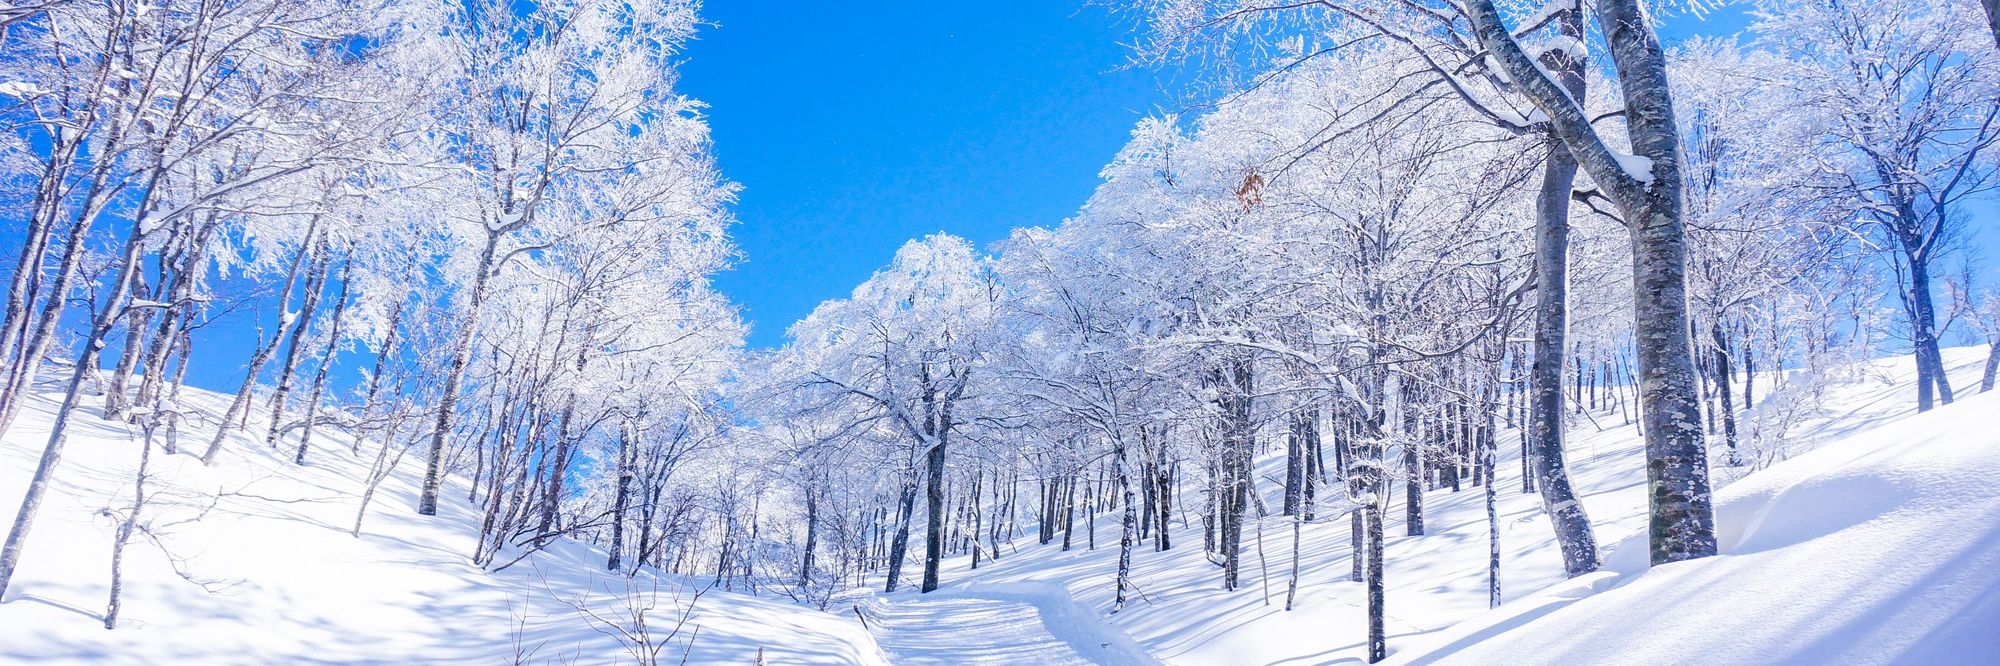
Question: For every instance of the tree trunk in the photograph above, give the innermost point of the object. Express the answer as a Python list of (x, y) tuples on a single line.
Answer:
[(1128, 522), (552, 495), (240, 406), (461, 354), (1682, 522), (1295, 465), (1545, 418), (1378, 646), (36, 339), (326, 358), (1161, 540), (1923, 327), (623, 495), (315, 287), (934, 494), (131, 521), (22, 291), (116, 398), (86, 364), (812, 538), (900, 544), (1993, 19), (1722, 390)]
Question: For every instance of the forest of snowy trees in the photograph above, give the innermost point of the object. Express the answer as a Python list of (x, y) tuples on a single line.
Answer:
[(1400, 237)]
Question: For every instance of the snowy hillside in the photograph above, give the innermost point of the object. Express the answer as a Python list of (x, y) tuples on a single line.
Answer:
[(1879, 544), (1883, 547), (251, 561)]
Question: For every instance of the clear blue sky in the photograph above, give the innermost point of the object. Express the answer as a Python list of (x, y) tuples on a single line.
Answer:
[(854, 127)]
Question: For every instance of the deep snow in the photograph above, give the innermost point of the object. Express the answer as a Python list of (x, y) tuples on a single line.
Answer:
[(1873, 527), (1877, 541), (270, 575)]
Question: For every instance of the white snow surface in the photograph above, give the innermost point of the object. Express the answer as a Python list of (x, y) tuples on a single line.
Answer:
[(1877, 541), (272, 575), (1883, 547)]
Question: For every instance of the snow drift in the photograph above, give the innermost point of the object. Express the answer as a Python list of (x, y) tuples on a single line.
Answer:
[(1883, 547)]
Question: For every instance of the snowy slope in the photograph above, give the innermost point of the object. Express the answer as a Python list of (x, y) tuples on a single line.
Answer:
[(254, 565), (1878, 542), (1438, 580), (1882, 547)]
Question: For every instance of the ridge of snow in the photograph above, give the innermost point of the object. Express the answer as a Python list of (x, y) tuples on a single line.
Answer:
[(1638, 167)]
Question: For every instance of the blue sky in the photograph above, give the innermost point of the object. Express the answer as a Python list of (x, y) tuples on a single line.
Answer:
[(854, 127)]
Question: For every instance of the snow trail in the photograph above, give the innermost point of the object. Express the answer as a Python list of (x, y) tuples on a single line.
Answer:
[(1022, 625)]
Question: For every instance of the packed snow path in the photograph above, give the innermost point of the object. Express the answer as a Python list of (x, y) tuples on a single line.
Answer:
[(994, 627)]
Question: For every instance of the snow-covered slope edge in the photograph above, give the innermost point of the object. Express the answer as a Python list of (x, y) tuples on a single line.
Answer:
[(251, 562), (1882, 547)]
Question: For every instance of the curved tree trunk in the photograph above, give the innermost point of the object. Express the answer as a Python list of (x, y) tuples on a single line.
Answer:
[(1545, 400)]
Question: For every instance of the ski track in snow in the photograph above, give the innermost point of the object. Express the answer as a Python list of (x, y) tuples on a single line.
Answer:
[(1017, 624), (967, 631)]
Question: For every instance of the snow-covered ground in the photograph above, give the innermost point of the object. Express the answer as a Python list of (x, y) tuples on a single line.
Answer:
[(1889, 524), (269, 574), (1877, 541)]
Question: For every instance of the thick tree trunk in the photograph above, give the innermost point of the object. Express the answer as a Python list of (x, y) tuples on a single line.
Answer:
[(1378, 645), (1128, 522), (1236, 380), (934, 507), (1932, 384)]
